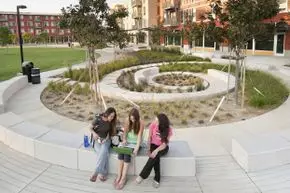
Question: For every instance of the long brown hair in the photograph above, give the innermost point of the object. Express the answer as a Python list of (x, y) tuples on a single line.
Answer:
[(135, 126), (163, 127), (113, 122)]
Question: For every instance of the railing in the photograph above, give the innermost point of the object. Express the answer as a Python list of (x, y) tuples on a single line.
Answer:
[(136, 3), (169, 4), (137, 14), (170, 22)]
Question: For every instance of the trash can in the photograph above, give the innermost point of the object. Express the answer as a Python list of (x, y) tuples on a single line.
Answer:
[(35, 75), (26, 69)]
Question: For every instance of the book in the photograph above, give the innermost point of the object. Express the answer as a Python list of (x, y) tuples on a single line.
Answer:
[(125, 149)]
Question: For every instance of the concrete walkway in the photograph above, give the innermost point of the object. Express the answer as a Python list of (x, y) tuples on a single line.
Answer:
[(217, 172)]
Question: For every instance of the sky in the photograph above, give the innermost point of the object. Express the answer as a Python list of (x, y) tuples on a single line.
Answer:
[(46, 6)]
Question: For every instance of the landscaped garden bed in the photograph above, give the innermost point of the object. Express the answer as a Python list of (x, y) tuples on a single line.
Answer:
[(263, 92)]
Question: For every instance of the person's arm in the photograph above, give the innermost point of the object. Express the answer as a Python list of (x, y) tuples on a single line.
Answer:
[(149, 138), (162, 146), (139, 138), (95, 135), (126, 128)]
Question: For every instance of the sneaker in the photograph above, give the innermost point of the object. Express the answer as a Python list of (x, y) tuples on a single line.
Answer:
[(139, 180), (155, 184)]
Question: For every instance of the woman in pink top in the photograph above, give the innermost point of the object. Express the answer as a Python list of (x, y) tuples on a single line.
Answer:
[(159, 135)]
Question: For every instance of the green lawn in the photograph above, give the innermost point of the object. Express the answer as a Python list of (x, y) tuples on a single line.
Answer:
[(43, 58)]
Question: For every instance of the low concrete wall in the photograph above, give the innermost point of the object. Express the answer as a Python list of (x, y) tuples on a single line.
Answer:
[(66, 149), (9, 87)]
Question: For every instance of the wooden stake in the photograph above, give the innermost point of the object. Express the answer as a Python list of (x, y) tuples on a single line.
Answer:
[(218, 107), (244, 77)]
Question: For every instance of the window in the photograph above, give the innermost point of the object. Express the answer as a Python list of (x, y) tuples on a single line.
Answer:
[(21, 17), (31, 31), (22, 23), (52, 17), (30, 17), (52, 30), (46, 23), (11, 16), (11, 24), (22, 31), (144, 10), (46, 17)]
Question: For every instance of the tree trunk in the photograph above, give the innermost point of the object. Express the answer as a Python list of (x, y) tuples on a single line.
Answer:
[(237, 76)]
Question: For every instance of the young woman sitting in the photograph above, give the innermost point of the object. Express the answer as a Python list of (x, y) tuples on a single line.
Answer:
[(102, 130), (133, 132), (159, 135)]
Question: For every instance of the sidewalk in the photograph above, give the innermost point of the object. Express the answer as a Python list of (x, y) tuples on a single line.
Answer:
[(217, 171)]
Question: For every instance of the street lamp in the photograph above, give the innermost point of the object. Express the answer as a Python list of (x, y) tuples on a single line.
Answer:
[(19, 31)]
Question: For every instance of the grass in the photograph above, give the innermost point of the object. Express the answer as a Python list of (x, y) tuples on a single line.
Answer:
[(43, 58)]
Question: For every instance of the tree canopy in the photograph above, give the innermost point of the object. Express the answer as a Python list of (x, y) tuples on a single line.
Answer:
[(5, 36), (92, 24)]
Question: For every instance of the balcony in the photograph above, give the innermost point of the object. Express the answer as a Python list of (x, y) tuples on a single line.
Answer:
[(137, 14), (170, 5), (136, 3), (170, 22), (3, 18)]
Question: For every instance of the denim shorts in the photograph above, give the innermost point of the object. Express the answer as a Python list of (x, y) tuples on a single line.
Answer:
[(125, 157)]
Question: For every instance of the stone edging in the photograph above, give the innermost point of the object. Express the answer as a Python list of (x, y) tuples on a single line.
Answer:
[(9, 87), (216, 79)]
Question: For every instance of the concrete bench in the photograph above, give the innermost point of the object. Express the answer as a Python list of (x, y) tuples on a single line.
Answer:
[(66, 148), (180, 156), (9, 87), (144, 74), (261, 152)]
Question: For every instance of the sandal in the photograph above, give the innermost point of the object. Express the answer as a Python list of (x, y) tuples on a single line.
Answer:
[(93, 178), (121, 185), (115, 183), (102, 178)]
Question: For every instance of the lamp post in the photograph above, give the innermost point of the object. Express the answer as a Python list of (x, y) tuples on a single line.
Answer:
[(19, 31)]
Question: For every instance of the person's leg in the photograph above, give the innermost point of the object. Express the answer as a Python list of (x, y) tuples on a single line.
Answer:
[(157, 164), (149, 165), (120, 168), (157, 167), (122, 182), (103, 159)]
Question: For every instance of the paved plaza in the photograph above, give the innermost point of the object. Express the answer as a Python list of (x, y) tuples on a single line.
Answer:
[(216, 169)]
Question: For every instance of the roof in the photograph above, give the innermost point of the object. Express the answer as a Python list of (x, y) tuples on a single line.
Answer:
[(28, 13)]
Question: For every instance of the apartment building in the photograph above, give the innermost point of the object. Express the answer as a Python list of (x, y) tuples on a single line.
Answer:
[(35, 24), (175, 12), (143, 15)]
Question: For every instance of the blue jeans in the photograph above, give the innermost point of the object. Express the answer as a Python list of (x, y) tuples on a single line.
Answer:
[(103, 151)]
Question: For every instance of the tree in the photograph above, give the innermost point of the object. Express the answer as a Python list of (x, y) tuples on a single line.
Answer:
[(27, 37), (93, 26), (4, 36), (243, 20), (118, 37), (43, 37), (156, 34), (13, 38)]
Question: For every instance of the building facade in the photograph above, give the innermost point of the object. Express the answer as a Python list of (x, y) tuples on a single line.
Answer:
[(35, 24), (173, 14), (143, 14)]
